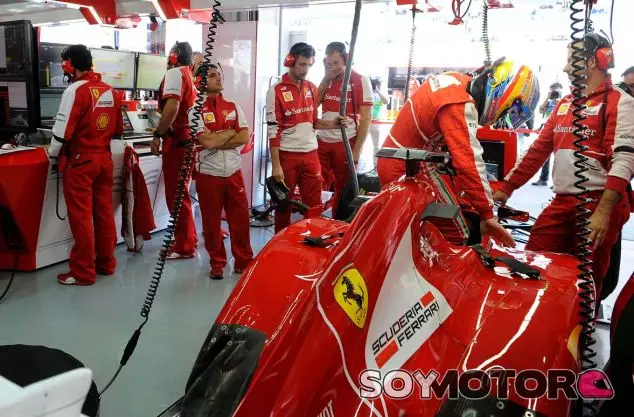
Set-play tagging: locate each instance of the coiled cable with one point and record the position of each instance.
(485, 33)
(185, 171)
(584, 249)
(412, 44)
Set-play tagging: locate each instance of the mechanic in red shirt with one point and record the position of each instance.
(444, 112)
(219, 178)
(332, 153)
(610, 131)
(176, 96)
(89, 116)
(291, 115)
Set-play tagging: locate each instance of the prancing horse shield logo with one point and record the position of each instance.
(351, 294)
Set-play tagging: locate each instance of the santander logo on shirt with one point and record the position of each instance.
(571, 129)
(298, 111)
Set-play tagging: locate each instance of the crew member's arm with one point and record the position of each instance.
(620, 126)
(71, 110)
(274, 122)
(228, 139)
(365, 97)
(530, 163)
(459, 123)
(172, 93)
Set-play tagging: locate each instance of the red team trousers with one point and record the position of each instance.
(185, 235)
(88, 181)
(218, 193)
(555, 231)
(303, 170)
(334, 167)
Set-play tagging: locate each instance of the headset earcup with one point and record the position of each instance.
(605, 58)
(289, 61)
(67, 67)
(173, 58)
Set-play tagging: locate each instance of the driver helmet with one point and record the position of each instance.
(506, 94)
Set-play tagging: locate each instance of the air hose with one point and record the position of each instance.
(344, 102)
(485, 33)
(584, 249)
(178, 200)
(412, 44)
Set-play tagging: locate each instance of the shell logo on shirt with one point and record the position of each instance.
(288, 95)
(209, 117)
(103, 121)
(563, 109)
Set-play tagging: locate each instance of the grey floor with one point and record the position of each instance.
(94, 323)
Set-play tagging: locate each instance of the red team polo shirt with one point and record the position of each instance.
(178, 84)
(359, 94)
(291, 114)
(89, 116)
(218, 115)
(610, 149)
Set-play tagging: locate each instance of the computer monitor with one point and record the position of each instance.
(50, 65)
(19, 106)
(116, 67)
(127, 123)
(18, 50)
(151, 71)
(493, 155)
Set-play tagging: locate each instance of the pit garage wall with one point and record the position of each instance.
(248, 51)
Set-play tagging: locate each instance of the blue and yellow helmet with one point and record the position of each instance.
(506, 94)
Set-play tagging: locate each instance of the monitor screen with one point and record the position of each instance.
(493, 155)
(151, 71)
(17, 48)
(51, 74)
(116, 67)
(127, 123)
(19, 111)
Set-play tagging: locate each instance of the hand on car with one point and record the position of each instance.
(494, 229)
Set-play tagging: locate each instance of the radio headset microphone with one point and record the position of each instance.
(180, 192)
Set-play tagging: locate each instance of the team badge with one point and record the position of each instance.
(288, 96)
(351, 294)
(308, 93)
(225, 113)
(95, 93)
(103, 121)
(209, 117)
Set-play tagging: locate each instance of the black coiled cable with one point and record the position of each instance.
(485, 33)
(185, 171)
(584, 248)
(412, 44)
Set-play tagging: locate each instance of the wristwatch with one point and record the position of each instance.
(156, 134)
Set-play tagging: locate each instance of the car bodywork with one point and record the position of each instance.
(383, 292)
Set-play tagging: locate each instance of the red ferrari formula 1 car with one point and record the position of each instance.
(332, 319)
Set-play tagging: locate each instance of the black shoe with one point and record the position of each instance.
(540, 184)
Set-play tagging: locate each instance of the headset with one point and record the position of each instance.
(601, 50)
(68, 68)
(177, 53)
(295, 51)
